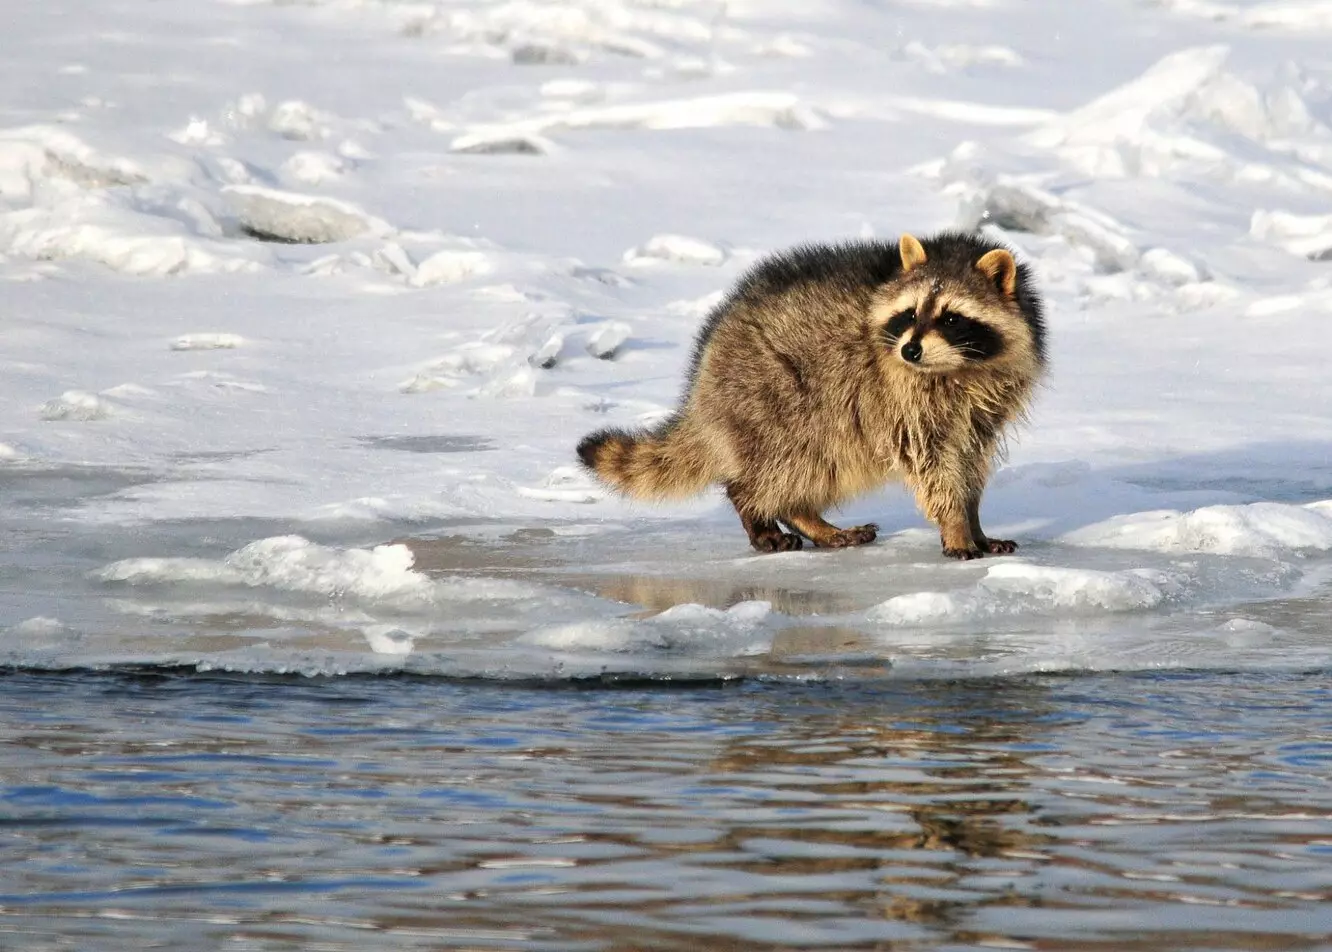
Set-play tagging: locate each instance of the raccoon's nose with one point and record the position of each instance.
(911, 351)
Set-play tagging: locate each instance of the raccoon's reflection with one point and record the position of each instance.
(926, 796)
(528, 554)
(658, 593)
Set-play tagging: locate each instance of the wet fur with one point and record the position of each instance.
(799, 397)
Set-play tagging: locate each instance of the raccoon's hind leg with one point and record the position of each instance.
(826, 535)
(764, 534)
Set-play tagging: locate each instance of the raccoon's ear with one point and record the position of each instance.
(913, 253)
(998, 265)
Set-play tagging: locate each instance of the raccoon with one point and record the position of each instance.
(829, 370)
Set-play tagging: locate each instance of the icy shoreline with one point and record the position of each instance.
(350, 278)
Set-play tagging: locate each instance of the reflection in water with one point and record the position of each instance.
(442, 555)
(541, 555)
(658, 593)
(807, 643)
(1102, 814)
(945, 797)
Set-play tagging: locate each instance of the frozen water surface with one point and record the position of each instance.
(314, 635)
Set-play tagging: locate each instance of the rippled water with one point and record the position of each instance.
(190, 811)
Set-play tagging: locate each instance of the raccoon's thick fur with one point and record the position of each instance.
(829, 370)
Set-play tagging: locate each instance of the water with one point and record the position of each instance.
(173, 809)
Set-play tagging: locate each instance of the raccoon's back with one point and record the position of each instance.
(783, 381)
(847, 266)
(810, 282)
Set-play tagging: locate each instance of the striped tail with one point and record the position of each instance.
(665, 463)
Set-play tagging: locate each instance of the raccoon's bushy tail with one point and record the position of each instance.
(664, 463)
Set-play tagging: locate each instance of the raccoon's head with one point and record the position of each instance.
(963, 306)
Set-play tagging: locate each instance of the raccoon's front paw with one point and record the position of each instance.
(963, 555)
(1000, 546)
(778, 542)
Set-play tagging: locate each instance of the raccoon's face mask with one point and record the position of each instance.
(943, 341)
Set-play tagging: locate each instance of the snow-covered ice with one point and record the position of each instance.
(301, 333)
(1262, 529)
(272, 215)
(1015, 588)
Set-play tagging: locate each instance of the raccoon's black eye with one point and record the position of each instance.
(970, 338)
(898, 324)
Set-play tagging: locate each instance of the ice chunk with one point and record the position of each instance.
(502, 142)
(30, 154)
(314, 168)
(1169, 268)
(247, 107)
(607, 339)
(389, 639)
(548, 354)
(1017, 588)
(298, 120)
(1261, 529)
(513, 382)
(294, 564)
(1021, 206)
(690, 627)
(1161, 120)
(207, 341)
(545, 54)
(680, 249)
(393, 258)
(942, 59)
(1302, 15)
(197, 132)
(273, 215)
(449, 267)
(779, 109)
(1014, 206)
(107, 231)
(75, 405)
(1124, 112)
(597, 635)
(1306, 235)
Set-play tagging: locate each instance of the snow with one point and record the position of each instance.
(207, 340)
(76, 405)
(687, 626)
(680, 249)
(1307, 235)
(294, 564)
(275, 215)
(301, 331)
(1262, 530)
(1015, 588)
